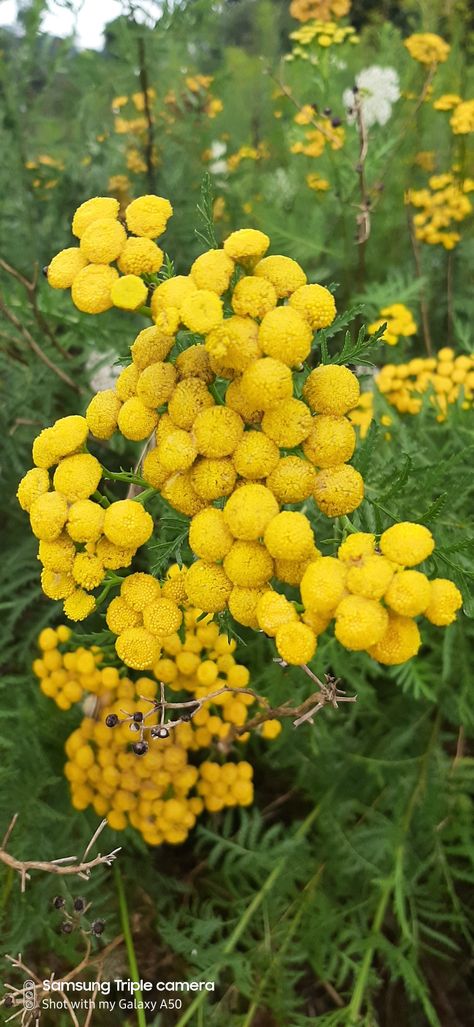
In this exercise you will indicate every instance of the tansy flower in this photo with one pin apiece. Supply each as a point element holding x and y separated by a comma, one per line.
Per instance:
<point>127,521</point>
<point>114,556</point>
<point>150,345</point>
<point>316,304</point>
<point>189,398</point>
<point>214,478</point>
<point>102,414</point>
<point>179,491</point>
<point>284,274</point>
<point>331,389</point>
<point>92,210</point>
<point>64,267</point>
<point>371,577</point>
<point>85,521</point>
<point>295,642</point>
<point>77,476</point>
<point>427,48</point>
<point>201,311</point>
<point>356,547</point>
<point>213,270</point>
<point>177,451</point>
<point>285,335</point>
<point>217,431</point>
<point>156,383</point>
<point>248,511</point>
<point>289,536</point>
<point>243,604</point>
<point>253,297</point>
<point>171,293</point>
<point>267,382</point>
<point>162,617</point>
<point>288,423</point>
<point>57,585</point>
<point>103,241</point>
<point>360,622</point>
<point>91,288</point>
<point>400,642</point>
<point>408,593</point>
<point>79,605</point>
<point>66,436</point>
<point>135,420</point>
<point>246,245</point>
<point>193,362</point>
<point>330,441</point>
<point>148,216</point>
<point>48,515</point>
<point>32,485</point>
<point>138,648</point>
<point>129,292</point>
<point>57,555</point>
<point>127,381</point>
<point>208,586</point>
<point>233,345</point>
<point>209,536</point>
<point>256,455</point>
<point>121,616</point>
<point>273,610</point>
<point>139,590</point>
<point>445,600</point>
<point>338,490</point>
<point>248,564</point>
<point>292,480</point>
<point>407,544</point>
<point>88,571</point>
<point>322,585</point>
<point>140,257</point>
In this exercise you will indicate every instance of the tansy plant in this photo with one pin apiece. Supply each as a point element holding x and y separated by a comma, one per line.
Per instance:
<point>245,440</point>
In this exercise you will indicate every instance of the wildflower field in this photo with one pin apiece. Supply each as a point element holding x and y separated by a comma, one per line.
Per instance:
<point>236,601</point>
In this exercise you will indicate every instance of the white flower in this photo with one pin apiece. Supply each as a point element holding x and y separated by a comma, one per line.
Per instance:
<point>217,165</point>
<point>379,88</point>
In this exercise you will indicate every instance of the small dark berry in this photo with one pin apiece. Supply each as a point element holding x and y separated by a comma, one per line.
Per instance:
<point>159,732</point>
<point>98,927</point>
<point>335,122</point>
<point>59,902</point>
<point>134,727</point>
<point>8,1001</point>
<point>79,905</point>
<point>138,717</point>
<point>112,720</point>
<point>140,748</point>
<point>66,927</point>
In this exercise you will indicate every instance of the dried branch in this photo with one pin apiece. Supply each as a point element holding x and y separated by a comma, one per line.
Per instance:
<point>34,345</point>
<point>66,865</point>
<point>31,289</point>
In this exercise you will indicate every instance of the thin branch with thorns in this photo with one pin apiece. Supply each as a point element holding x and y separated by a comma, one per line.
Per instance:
<point>66,865</point>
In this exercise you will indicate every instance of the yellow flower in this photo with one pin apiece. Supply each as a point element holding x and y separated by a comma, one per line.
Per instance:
<point>256,455</point>
<point>462,119</point>
<point>57,555</point>
<point>273,610</point>
<point>102,414</point>
<point>77,476</point>
<point>126,520</point>
<point>213,478</point>
<point>88,571</point>
<point>360,622</point>
<point>114,556</point>
<point>135,420</point>
<point>91,288</point>
<point>171,294</point>
<point>246,245</point>
<point>138,648</point>
<point>400,642</point>
<point>85,521</point>
<point>253,297</point>
<point>129,292</point>
<point>427,48</point>
<point>322,585</point>
<point>267,382</point>
<point>177,451</point>
<point>288,423</point>
<point>217,431</point>
<point>201,311</point>
<point>66,436</point>
<point>92,210</point>
<point>338,490</point>
<point>208,586</point>
<point>156,383</point>
<point>209,536</point>
<point>34,484</point>
<point>121,616</point>
<point>79,605</point>
<point>243,604</point>
<point>284,274</point>
<point>148,216</point>
<point>331,441</point>
<point>285,335</point>
<point>48,515</point>
<point>179,491</point>
<point>357,546</point>
<point>162,617</point>
<point>189,398</point>
<point>64,267</point>
<point>139,590</point>
<point>407,544</point>
<point>56,584</point>
<point>233,345</point>
<point>213,270</point>
<point>150,346</point>
<point>292,480</point>
<point>316,304</point>
<point>314,181</point>
<point>140,257</point>
<point>445,601</point>
<point>248,564</point>
<point>331,389</point>
<point>289,536</point>
<point>103,241</point>
<point>371,578</point>
<point>408,593</point>
<point>248,511</point>
<point>295,642</point>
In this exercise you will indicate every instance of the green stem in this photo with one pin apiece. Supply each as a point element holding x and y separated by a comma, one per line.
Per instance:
<point>146,311</point>
<point>132,959</point>
<point>101,499</point>
<point>128,476</point>
<point>143,496</point>
<point>234,938</point>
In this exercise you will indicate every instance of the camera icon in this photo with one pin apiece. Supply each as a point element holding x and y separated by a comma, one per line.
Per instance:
<point>29,995</point>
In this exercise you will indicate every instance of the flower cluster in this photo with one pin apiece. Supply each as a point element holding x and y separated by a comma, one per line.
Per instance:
<point>322,131</point>
<point>87,269</point>
<point>447,378</point>
<point>317,183</point>
<point>442,205</point>
<point>400,323</point>
<point>462,118</point>
<point>427,48</point>
<point>161,793</point>
<point>319,34</point>
<point>319,10</point>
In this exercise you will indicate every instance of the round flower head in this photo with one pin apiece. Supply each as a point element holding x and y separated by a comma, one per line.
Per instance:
<point>357,546</point>
<point>129,292</point>
<point>57,555</point>
<point>64,267</point>
<point>150,346</point>
<point>88,571</point>
<point>121,616</point>
<point>66,436</point>
<point>266,382</point>
<point>209,536</point>
<point>91,210</point>
<point>288,423</point>
<point>179,491</point>
<point>256,455</point>
<point>57,585</point>
<point>103,241</point>
<point>407,544</point>
<point>316,304</point>
<point>153,471</point>
<point>285,335</point>
<point>171,293</point>
<point>248,564</point>
<point>193,362</point>
<point>79,605</point>
<point>189,397</point>
<point>102,414</point>
<point>213,479</point>
<point>284,273</point>
<point>85,521</point>
<point>331,441</point>
<point>140,257</point>
<point>177,452</point>
<point>208,586</point>
<point>138,648</point>
<point>135,420</point>
<point>295,642</point>
<point>213,270</point>
<point>48,515</point>
<point>370,579</point>
<point>246,245</point>
<point>78,476</point>
<point>243,605</point>
<point>400,642</point>
<point>289,536</point>
<point>162,617</point>
<point>156,383</point>
<point>91,288</point>
<point>248,511</point>
<point>139,590</point>
<point>408,593</point>
<point>331,389</point>
<point>427,48</point>
<point>360,622</point>
<point>202,311</point>
<point>322,584</point>
<point>445,601</point>
<point>273,610</point>
<point>127,521</point>
<point>236,400</point>
<point>291,571</point>
<point>114,556</point>
<point>293,480</point>
<point>148,216</point>
<point>217,431</point>
<point>34,484</point>
<point>338,490</point>
<point>233,345</point>
<point>253,297</point>
<point>126,383</point>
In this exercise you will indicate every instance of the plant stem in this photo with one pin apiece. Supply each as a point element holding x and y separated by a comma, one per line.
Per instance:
<point>132,959</point>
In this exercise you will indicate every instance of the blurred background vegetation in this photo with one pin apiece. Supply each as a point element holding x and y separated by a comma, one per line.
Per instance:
<point>344,896</point>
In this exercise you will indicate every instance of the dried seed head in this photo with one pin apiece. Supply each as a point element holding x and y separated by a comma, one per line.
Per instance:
<point>112,720</point>
<point>79,904</point>
<point>98,927</point>
<point>59,902</point>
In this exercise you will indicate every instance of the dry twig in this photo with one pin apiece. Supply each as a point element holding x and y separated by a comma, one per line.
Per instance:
<point>66,865</point>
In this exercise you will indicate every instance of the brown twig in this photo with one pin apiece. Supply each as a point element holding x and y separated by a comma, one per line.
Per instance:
<point>11,317</point>
<point>423,301</point>
<point>31,289</point>
<point>66,865</point>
